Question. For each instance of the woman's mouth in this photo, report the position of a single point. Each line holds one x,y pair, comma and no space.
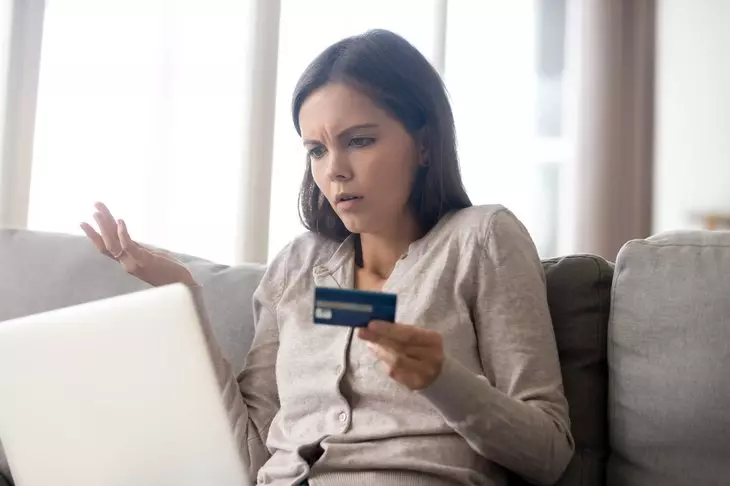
345,202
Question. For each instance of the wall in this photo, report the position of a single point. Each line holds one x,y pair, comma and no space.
692,170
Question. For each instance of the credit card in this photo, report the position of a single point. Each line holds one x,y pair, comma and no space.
353,308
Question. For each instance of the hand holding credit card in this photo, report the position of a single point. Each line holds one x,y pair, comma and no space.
352,308
411,355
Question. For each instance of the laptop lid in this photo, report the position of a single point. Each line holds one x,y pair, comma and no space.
120,391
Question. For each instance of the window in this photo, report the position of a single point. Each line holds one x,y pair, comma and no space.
490,74
140,105
143,103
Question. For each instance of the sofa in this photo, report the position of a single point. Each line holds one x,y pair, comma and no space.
644,344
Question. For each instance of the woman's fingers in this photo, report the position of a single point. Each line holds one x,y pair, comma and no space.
131,247
113,240
413,356
95,238
101,207
412,373
108,228
105,216
402,333
416,351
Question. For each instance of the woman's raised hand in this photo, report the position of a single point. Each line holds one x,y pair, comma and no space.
152,266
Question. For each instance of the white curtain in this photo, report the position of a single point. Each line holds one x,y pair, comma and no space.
614,129
142,104
176,113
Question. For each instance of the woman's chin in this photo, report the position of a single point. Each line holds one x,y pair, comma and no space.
354,224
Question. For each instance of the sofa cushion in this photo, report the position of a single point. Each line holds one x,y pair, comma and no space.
579,293
669,361
45,271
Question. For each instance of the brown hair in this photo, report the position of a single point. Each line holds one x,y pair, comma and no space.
399,79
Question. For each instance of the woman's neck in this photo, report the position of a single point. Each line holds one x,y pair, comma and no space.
381,251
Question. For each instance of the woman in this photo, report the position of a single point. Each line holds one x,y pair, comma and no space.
467,383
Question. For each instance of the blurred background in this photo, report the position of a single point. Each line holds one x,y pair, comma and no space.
595,121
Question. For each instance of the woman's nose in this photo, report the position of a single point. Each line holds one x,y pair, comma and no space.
338,168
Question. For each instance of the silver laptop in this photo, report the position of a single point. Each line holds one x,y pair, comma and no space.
120,391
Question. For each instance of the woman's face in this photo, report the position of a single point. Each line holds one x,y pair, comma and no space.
363,160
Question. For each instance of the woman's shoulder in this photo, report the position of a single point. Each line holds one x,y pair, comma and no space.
481,223
308,249
302,254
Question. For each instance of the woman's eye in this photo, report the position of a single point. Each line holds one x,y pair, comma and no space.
361,141
317,152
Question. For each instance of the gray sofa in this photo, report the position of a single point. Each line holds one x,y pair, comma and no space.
644,345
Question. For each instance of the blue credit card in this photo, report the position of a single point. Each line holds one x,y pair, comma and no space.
354,308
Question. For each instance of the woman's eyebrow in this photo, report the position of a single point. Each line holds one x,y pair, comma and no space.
355,128
343,133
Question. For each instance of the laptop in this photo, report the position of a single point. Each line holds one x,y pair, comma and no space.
120,391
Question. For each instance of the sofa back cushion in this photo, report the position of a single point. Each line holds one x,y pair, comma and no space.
669,361
579,293
45,271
